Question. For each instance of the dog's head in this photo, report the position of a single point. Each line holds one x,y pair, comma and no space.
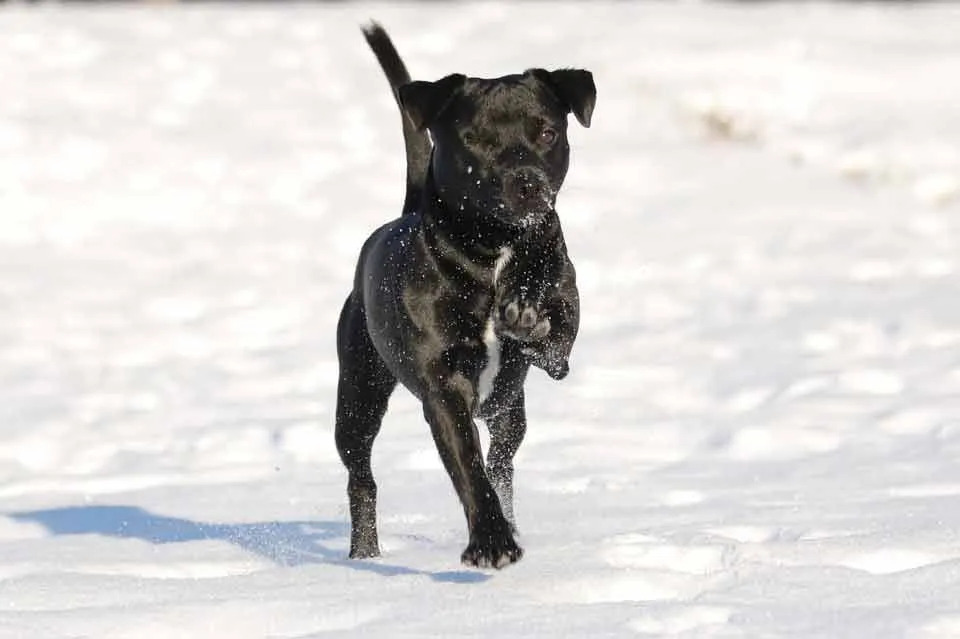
500,145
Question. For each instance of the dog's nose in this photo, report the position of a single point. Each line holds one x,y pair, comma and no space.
526,187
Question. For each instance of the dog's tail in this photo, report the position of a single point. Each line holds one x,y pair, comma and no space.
417,143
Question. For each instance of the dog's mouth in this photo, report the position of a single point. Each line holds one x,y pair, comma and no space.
527,197
527,216
519,199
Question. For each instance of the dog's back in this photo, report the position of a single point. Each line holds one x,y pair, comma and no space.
417,143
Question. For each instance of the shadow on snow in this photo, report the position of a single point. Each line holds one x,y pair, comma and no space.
286,543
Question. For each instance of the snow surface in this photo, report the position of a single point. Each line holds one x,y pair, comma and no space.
759,436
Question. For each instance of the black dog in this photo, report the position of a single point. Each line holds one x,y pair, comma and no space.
472,285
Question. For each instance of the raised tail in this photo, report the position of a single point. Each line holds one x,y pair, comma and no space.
417,143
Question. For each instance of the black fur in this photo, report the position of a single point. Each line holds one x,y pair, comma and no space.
478,253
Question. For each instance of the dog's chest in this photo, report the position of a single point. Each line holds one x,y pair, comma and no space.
491,341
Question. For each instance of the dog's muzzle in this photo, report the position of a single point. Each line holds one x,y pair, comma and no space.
527,191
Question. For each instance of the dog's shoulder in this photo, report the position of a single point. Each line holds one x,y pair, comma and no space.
386,245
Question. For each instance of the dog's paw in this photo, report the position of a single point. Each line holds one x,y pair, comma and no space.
492,550
553,364
364,552
523,321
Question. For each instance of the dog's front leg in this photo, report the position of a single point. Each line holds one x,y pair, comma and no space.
552,353
542,310
447,410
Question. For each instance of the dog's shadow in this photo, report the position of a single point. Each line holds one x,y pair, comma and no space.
285,543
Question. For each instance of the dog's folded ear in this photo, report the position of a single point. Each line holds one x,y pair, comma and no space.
424,101
575,88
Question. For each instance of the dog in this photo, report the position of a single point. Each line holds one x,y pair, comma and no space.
466,290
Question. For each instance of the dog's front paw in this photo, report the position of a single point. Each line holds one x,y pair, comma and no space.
523,321
554,364
492,549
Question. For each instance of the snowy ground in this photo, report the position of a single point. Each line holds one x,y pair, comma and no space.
760,434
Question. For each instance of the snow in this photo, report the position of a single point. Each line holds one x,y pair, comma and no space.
759,434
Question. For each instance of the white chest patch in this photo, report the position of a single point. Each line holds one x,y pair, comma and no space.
490,340
505,254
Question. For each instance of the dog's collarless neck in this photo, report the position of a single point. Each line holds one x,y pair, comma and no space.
479,239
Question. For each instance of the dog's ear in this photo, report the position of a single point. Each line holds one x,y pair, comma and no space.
575,88
424,101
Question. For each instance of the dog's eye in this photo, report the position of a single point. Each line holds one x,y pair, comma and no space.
548,136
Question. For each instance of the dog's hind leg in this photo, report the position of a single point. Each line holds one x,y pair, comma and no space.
363,391
506,433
